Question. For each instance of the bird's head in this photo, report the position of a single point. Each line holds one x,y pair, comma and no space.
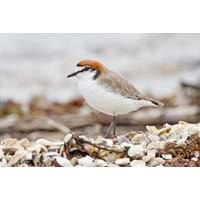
88,69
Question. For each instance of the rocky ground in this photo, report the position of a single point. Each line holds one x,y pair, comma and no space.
172,145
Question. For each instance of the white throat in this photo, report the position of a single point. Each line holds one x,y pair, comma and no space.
87,75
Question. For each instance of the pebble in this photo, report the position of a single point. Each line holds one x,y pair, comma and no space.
100,163
122,161
136,150
156,162
137,163
63,162
86,161
137,139
67,138
167,156
133,150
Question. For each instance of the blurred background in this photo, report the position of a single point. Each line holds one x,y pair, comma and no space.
34,87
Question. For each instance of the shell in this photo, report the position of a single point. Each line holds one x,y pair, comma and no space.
137,139
137,163
152,129
153,138
167,156
24,143
62,162
121,139
9,142
156,162
136,150
153,145
68,138
44,142
19,155
100,163
122,161
86,161
3,163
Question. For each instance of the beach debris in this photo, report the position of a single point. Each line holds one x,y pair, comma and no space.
171,145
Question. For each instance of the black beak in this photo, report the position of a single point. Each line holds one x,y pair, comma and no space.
72,74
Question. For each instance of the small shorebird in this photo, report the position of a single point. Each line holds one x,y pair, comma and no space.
108,92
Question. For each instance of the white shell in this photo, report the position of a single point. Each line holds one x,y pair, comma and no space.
67,138
100,163
137,139
19,155
63,162
136,150
125,144
44,142
122,161
153,145
137,163
156,162
86,161
167,156
153,138
109,142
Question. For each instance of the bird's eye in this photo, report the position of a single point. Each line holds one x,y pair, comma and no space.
86,68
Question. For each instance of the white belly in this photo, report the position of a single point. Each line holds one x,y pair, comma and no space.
107,102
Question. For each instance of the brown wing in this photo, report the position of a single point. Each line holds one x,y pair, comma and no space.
121,86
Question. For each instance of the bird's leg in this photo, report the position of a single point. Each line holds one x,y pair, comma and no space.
109,130
114,125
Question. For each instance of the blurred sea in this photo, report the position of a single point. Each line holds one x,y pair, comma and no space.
37,64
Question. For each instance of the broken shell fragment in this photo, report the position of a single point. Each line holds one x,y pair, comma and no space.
167,156
86,161
68,138
62,162
136,150
122,161
137,163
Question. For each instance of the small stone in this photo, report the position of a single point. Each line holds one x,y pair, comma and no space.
44,142
137,163
126,145
196,154
9,142
121,139
167,156
152,129
24,143
68,138
109,142
136,150
156,162
137,139
74,161
86,161
62,162
19,155
122,161
194,159
146,158
153,145
151,153
153,138
100,163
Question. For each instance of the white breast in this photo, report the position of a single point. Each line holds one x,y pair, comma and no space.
107,102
